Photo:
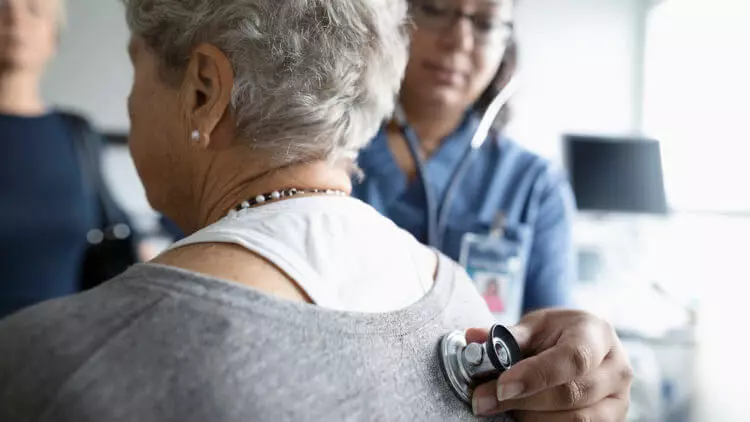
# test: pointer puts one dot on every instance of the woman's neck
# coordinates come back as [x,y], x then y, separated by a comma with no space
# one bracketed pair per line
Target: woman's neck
[229,181]
[235,183]
[20,94]
[432,124]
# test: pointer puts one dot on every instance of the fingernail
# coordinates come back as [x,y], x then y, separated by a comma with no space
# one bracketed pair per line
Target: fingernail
[482,405]
[509,391]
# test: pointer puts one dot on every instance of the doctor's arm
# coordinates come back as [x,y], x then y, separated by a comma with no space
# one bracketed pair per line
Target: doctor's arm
[551,265]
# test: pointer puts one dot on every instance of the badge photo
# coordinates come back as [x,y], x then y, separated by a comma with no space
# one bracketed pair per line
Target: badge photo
[494,289]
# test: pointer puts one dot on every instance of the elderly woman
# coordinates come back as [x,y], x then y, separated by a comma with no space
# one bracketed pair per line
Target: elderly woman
[289,300]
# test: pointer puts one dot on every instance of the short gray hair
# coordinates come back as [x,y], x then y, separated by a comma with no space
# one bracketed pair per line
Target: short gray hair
[314,78]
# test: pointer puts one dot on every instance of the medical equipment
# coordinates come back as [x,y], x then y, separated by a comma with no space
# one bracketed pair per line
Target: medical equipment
[467,365]
[437,217]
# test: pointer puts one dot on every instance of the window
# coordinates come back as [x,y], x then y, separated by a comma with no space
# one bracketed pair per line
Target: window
[697,101]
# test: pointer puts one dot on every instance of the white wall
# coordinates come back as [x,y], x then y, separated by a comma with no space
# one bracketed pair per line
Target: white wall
[580,67]
[697,105]
[697,101]
[92,71]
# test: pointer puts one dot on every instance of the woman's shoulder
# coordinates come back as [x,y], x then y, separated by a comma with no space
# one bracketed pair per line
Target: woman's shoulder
[527,174]
[375,148]
[65,332]
[49,121]
[521,162]
[71,117]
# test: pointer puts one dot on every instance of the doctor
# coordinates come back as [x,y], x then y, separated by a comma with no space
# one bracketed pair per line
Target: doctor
[498,209]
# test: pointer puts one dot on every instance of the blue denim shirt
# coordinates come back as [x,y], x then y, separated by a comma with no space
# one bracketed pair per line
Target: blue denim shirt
[536,200]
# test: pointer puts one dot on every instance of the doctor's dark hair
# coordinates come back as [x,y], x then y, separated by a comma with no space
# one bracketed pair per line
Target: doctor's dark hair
[508,68]
[313,78]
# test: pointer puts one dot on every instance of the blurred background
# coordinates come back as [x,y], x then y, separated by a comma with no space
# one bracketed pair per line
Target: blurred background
[646,104]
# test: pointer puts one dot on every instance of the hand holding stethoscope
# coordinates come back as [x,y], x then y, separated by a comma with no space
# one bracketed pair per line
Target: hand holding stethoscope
[575,368]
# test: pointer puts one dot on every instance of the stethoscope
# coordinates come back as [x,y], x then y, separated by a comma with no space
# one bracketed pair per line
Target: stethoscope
[466,366]
[437,214]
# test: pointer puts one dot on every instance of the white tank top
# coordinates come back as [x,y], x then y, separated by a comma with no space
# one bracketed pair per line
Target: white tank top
[339,250]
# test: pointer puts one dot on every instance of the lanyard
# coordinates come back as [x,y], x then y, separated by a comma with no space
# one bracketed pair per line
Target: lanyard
[437,214]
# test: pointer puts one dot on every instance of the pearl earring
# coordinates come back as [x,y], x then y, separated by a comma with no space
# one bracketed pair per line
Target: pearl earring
[195,136]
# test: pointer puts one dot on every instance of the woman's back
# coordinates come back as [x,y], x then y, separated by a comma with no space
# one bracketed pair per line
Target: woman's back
[162,344]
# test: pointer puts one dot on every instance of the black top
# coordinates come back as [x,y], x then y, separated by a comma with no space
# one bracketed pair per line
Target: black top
[45,212]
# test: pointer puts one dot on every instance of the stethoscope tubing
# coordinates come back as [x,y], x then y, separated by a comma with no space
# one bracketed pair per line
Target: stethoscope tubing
[437,215]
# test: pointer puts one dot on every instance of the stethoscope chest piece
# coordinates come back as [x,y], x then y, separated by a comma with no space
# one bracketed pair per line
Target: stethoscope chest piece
[467,365]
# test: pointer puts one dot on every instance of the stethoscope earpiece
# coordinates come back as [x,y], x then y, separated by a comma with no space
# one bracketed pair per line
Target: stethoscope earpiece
[467,365]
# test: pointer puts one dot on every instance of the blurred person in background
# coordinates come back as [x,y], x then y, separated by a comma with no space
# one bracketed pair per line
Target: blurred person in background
[463,53]
[60,231]
[288,299]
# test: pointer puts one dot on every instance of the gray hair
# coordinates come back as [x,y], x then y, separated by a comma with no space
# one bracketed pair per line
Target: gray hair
[314,79]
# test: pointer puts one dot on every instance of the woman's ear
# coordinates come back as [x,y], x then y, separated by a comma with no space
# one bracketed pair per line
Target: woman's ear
[206,94]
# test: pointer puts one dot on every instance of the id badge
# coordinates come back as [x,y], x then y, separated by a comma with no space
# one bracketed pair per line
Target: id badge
[495,264]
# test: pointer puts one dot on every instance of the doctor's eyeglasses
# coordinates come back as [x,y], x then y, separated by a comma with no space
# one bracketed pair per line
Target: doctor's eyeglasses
[437,15]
